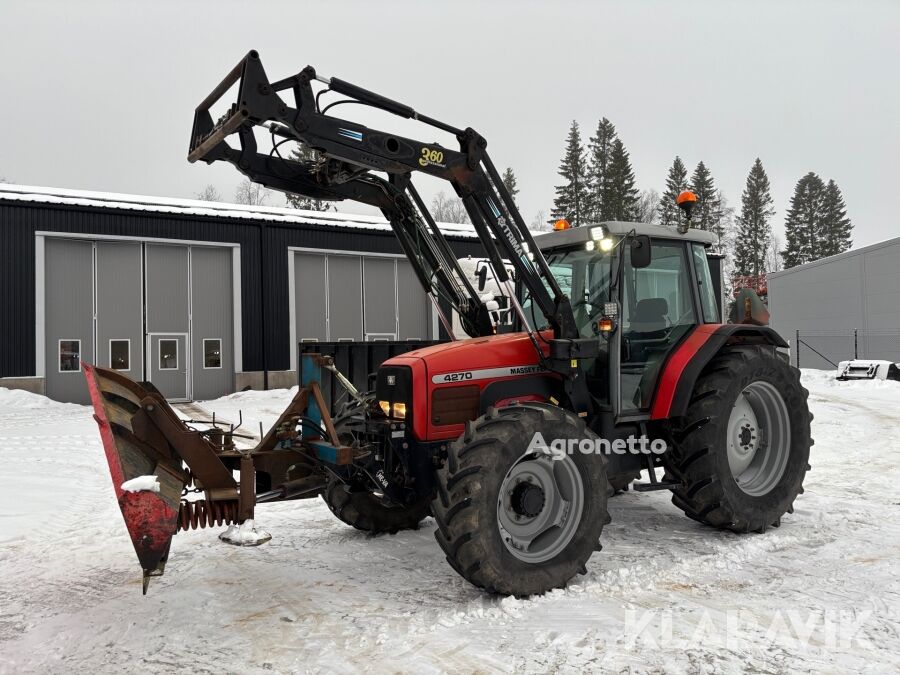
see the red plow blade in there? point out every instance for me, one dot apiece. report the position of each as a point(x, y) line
point(151, 513)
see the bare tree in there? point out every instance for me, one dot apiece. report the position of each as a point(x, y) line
point(448, 209)
point(774, 260)
point(539, 222)
point(251, 194)
point(209, 194)
point(3, 179)
point(648, 206)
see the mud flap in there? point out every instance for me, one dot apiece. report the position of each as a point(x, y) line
point(151, 517)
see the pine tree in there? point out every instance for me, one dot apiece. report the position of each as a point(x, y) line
point(509, 180)
point(676, 183)
point(803, 223)
point(304, 153)
point(620, 197)
point(754, 228)
point(708, 214)
point(599, 160)
point(837, 229)
point(572, 199)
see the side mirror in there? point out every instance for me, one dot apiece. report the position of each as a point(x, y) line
point(640, 251)
point(482, 277)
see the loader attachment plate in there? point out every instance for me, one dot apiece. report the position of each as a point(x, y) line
point(151, 516)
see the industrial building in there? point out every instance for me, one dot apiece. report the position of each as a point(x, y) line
point(200, 298)
point(843, 307)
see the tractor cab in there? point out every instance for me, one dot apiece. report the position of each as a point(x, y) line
point(638, 288)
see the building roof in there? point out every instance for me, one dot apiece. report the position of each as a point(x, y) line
point(840, 256)
point(194, 207)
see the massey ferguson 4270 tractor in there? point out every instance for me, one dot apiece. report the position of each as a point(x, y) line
point(617, 336)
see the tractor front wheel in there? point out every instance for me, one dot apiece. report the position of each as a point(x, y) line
point(743, 450)
point(514, 519)
point(370, 513)
point(357, 505)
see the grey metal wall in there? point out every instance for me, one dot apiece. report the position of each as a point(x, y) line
point(211, 319)
point(69, 316)
point(414, 306)
point(310, 297)
point(119, 291)
point(345, 298)
point(855, 290)
point(380, 305)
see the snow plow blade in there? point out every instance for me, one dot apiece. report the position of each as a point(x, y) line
point(172, 474)
point(151, 507)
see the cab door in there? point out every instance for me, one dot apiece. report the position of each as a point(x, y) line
point(658, 311)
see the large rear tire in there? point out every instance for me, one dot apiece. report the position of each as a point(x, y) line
point(517, 522)
point(743, 450)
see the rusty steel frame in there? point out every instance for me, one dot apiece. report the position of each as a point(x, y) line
point(142, 435)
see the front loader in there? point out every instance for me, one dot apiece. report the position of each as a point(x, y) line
point(512, 441)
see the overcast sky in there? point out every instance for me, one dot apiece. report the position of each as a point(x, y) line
point(100, 95)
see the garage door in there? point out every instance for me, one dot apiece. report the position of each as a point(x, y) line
point(340, 297)
point(157, 312)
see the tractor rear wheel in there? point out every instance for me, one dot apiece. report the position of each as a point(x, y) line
point(743, 450)
point(517, 520)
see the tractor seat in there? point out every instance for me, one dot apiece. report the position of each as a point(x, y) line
point(650, 316)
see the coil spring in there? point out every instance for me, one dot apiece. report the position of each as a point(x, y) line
point(203, 513)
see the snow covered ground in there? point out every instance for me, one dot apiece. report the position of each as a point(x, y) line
point(820, 593)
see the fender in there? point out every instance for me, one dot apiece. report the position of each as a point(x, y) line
point(685, 363)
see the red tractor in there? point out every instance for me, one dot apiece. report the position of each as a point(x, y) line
point(513, 441)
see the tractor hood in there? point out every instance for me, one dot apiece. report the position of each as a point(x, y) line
point(509, 349)
point(502, 363)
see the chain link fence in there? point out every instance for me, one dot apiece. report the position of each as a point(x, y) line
point(824, 349)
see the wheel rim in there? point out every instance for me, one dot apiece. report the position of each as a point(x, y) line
point(540, 505)
point(759, 438)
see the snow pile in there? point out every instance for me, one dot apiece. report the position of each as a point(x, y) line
point(821, 593)
point(141, 484)
point(245, 534)
point(19, 398)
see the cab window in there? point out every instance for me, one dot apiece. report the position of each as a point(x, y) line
point(657, 311)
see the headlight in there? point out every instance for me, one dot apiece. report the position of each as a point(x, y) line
point(398, 412)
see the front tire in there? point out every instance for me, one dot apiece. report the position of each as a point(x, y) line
point(743, 450)
point(517, 522)
point(359, 507)
point(368, 512)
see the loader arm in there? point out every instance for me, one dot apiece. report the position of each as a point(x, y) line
point(349, 152)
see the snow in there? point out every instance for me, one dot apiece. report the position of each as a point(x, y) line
point(141, 484)
point(820, 593)
point(194, 207)
point(245, 534)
